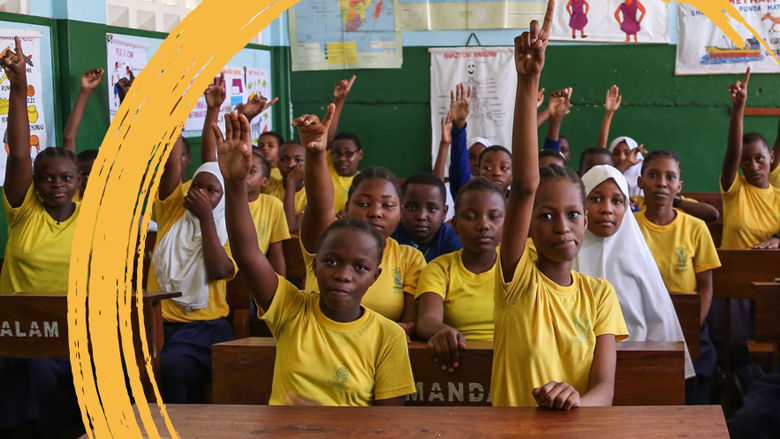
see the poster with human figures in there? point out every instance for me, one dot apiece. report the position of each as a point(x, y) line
point(490, 72)
point(611, 21)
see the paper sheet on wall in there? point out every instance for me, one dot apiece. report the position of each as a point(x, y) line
point(258, 81)
point(704, 49)
point(472, 14)
point(124, 55)
point(490, 71)
point(31, 46)
point(637, 21)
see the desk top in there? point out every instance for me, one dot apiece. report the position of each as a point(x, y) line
point(237, 422)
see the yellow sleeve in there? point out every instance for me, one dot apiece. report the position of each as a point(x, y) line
point(413, 263)
point(734, 189)
point(277, 222)
point(288, 301)
point(609, 317)
point(232, 261)
point(393, 376)
point(520, 282)
point(170, 209)
point(16, 214)
point(434, 278)
point(689, 199)
point(706, 255)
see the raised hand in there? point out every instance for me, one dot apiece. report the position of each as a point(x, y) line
point(530, 47)
point(540, 98)
point(738, 90)
point(90, 80)
point(296, 176)
point(342, 88)
point(633, 155)
point(14, 64)
point(555, 395)
point(234, 151)
point(560, 102)
point(255, 105)
point(613, 99)
point(312, 131)
point(460, 104)
point(446, 129)
point(215, 93)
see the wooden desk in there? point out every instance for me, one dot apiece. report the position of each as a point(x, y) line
point(767, 326)
point(741, 268)
point(244, 422)
point(647, 373)
point(688, 308)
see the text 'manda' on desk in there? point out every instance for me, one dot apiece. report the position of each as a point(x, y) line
point(238, 422)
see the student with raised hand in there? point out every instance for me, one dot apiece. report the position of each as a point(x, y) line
point(559, 107)
point(289, 189)
point(375, 197)
point(555, 329)
point(330, 349)
point(455, 291)
point(345, 148)
point(90, 80)
point(463, 163)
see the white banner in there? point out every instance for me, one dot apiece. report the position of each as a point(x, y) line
point(31, 46)
point(704, 49)
point(124, 55)
point(645, 21)
point(490, 71)
point(258, 81)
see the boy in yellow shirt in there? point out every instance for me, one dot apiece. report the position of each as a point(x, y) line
point(346, 152)
point(330, 349)
point(290, 189)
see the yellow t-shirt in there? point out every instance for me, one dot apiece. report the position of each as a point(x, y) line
point(77, 196)
point(682, 249)
point(468, 297)
point(774, 177)
point(276, 175)
point(340, 186)
point(37, 254)
point(401, 266)
point(639, 201)
point(332, 363)
point(169, 211)
point(276, 188)
point(750, 214)
point(270, 222)
point(547, 332)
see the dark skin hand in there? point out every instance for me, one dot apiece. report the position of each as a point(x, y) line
point(18, 167)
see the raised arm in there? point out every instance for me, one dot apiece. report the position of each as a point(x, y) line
point(90, 80)
point(543, 115)
point(215, 96)
point(256, 104)
point(738, 92)
point(444, 146)
point(18, 166)
point(560, 106)
point(291, 188)
point(319, 211)
point(235, 160)
point(171, 178)
point(460, 106)
point(530, 50)
point(611, 105)
point(340, 93)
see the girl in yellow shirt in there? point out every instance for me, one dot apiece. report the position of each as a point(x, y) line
point(455, 291)
point(555, 330)
point(330, 349)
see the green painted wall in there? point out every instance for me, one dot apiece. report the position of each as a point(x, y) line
point(389, 109)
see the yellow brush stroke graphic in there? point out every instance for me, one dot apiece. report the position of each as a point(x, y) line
point(127, 171)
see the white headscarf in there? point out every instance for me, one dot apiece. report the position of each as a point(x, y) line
point(178, 258)
point(633, 173)
point(625, 261)
point(485, 142)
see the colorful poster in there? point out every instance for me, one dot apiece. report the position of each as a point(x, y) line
point(615, 21)
point(31, 46)
point(258, 81)
point(235, 91)
point(704, 49)
point(125, 56)
point(490, 71)
point(473, 14)
point(344, 34)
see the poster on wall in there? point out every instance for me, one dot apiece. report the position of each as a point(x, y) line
point(258, 82)
point(344, 34)
point(126, 59)
point(490, 71)
point(471, 14)
point(611, 21)
point(235, 87)
point(704, 49)
point(31, 46)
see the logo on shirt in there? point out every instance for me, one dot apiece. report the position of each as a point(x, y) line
point(399, 287)
point(584, 331)
point(339, 377)
point(682, 258)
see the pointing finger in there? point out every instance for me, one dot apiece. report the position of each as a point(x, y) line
point(548, 16)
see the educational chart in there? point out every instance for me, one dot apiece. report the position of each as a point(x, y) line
point(344, 34)
point(704, 49)
point(125, 56)
point(31, 46)
point(235, 88)
point(615, 21)
point(468, 14)
point(490, 71)
point(258, 81)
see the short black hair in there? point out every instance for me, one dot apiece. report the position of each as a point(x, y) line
point(596, 150)
point(274, 134)
point(553, 154)
point(493, 148)
point(373, 172)
point(349, 136)
point(478, 184)
point(660, 153)
point(55, 151)
point(555, 172)
point(358, 224)
point(753, 137)
point(86, 155)
point(428, 179)
point(264, 163)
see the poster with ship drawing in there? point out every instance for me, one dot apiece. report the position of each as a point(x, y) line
point(703, 49)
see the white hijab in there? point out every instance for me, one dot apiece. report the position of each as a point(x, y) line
point(633, 173)
point(625, 261)
point(178, 258)
point(485, 142)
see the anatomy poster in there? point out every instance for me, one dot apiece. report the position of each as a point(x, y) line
point(612, 21)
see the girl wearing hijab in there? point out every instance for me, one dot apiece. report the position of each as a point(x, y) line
point(627, 155)
point(191, 256)
point(615, 249)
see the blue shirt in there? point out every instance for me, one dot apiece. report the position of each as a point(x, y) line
point(443, 242)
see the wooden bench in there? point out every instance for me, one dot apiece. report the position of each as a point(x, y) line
point(688, 307)
point(648, 373)
point(767, 328)
point(36, 326)
point(741, 268)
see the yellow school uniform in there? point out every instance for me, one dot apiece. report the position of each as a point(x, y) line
point(468, 297)
point(639, 201)
point(750, 214)
point(774, 177)
point(276, 175)
point(545, 332)
point(332, 363)
point(77, 197)
point(401, 266)
point(269, 219)
point(37, 255)
point(341, 186)
point(682, 249)
point(169, 211)
point(276, 189)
